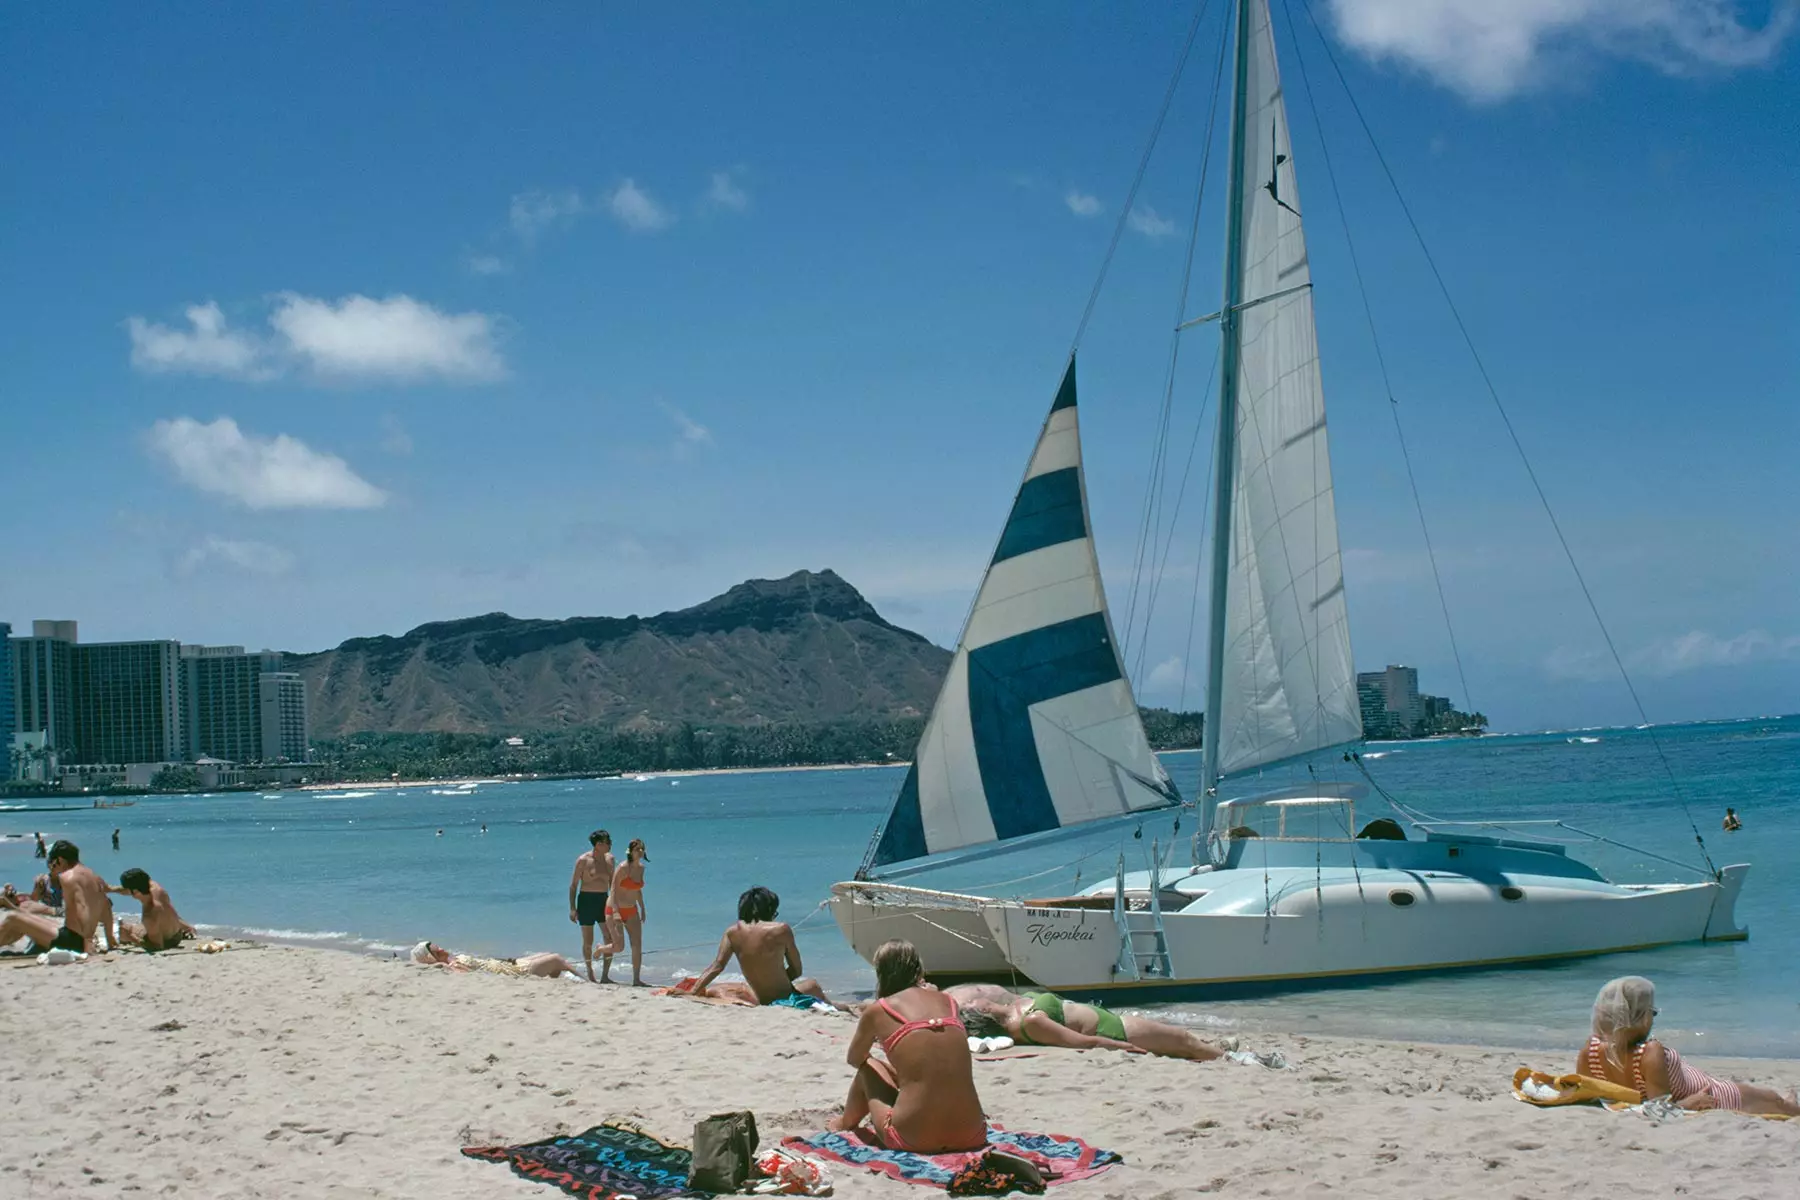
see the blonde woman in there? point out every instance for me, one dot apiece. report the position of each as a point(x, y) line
point(1622, 1051)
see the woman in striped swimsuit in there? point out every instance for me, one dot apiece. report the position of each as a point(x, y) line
point(1622, 1051)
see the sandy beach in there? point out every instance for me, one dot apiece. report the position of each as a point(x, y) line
point(278, 1071)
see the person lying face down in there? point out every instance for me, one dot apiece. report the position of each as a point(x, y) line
point(1046, 1019)
point(545, 965)
point(765, 951)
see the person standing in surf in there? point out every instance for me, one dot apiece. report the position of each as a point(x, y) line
point(588, 888)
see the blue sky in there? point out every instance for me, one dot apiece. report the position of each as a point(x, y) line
point(326, 321)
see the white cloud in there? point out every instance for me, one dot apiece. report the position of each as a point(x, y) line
point(1082, 204)
point(1675, 655)
point(398, 338)
point(487, 264)
point(635, 209)
point(259, 472)
point(1489, 49)
point(531, 213)
point(1165, 676)
point(1148, 222)
point(725, 192)
point(689, 433)
point(357, 338)
point(208, 347)
point(1698, 649)
point(252, 558)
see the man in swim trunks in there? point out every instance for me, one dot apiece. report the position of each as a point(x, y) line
point(588, 888)
point(85, 905)
point(766, 953)
point(163, 927)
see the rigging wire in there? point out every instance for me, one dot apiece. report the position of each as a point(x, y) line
point(1137, 181)
point(1387, 385)
point(1154, 487)
point(1513, 435)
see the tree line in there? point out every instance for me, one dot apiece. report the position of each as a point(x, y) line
point(675, 747)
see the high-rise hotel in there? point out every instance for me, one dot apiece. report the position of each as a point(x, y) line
point(149, 702)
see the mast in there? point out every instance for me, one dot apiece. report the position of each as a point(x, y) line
point(1225, 469)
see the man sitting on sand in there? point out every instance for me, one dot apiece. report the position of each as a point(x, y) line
point(766, 954)
point(85, 906)
point(163, 928)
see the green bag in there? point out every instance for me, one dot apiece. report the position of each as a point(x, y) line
point(724, 1152)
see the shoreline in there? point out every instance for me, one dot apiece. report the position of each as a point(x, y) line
point(629, 776)
point(267, 1070)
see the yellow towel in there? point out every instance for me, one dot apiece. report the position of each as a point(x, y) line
point(1573, 1089)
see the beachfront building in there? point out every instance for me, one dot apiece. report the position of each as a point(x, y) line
point(8, 725)
point(281, 699)
point(221, 702)
point(126, 703)
point(147, 703)
point(1391, 706)
point(40, 669)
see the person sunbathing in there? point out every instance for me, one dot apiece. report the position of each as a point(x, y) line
point(545, 965)
point(1046, 1019)
point(162, 927)
point(1621, 1050)
point(766, 953)
point(10, 898)
point(16, 924)
point(922, 1098)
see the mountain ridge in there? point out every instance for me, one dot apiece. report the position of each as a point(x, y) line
point(804, 648)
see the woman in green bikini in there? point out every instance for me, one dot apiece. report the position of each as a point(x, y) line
point(1046, 1019)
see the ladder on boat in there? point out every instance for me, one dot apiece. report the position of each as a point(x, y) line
point(1143, 944)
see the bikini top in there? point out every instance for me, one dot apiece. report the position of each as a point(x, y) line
point(628, 885)
point(953, 1021)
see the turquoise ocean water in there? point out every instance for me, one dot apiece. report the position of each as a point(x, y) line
point(366, 870)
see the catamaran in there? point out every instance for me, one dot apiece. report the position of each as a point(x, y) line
point(1036, 733)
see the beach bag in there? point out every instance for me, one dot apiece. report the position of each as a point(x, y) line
point(724, 1152)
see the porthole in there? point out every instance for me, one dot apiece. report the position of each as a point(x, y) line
point(1401, 898)
point(1512, 893)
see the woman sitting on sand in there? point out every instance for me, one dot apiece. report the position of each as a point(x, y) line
point(545, 965)
point(1046, 1019)
point(1622, 1051)
point(922, 1098)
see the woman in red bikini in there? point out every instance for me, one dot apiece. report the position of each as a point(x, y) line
point(626, 910)
point(1622, 1051)
point(922, 1098)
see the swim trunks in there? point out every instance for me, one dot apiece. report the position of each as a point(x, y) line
point(590, 908)
point(68, 939)
point(175, 939)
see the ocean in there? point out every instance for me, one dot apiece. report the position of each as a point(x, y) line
point(367, 870)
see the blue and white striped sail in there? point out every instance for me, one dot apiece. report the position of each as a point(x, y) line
point(1036, 728)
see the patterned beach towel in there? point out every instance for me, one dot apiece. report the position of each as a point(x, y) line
point(1060, 1159)
point(604, 1162)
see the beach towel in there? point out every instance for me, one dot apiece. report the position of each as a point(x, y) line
point(605, 1162)
point(1060, 1159)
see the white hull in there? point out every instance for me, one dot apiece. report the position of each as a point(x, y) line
point(947, 927)
point(1337, 930)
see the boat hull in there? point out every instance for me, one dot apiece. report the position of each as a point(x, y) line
point(952, 938)
point(1333, 928)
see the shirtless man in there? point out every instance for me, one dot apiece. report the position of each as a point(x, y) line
point(588, 887)
point(765, 950)
point(85, 904)
point(163, 927)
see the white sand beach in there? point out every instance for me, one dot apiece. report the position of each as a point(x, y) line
point(269, 1071)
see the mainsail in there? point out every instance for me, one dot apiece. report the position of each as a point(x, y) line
point(1286, 685)
point(1036, 728)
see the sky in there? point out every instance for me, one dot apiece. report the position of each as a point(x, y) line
point(325, 321)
